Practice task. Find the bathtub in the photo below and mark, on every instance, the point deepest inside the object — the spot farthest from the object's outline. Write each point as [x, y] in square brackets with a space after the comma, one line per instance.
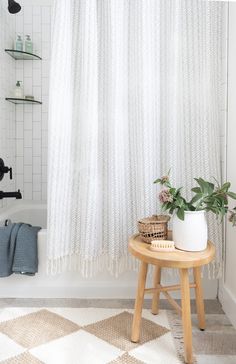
[31, 213]
[64, 285]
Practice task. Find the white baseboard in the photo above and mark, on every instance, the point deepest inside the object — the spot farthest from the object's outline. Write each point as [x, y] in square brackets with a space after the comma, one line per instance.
[96, 292]
[85, 290]
[72, 285]
[228, 301]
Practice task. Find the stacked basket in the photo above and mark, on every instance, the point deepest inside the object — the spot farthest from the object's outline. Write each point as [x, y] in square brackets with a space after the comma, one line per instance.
[154, 228]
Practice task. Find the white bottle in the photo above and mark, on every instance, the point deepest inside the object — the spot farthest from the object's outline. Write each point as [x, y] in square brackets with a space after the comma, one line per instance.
[18, 93]
[28, 44]
[19, 43]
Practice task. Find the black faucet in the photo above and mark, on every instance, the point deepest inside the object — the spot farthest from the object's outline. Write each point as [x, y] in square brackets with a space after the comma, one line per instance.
[16, 195]
[4, 169]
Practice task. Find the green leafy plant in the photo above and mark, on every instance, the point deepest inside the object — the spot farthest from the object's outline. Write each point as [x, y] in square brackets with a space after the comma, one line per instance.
[206, 196]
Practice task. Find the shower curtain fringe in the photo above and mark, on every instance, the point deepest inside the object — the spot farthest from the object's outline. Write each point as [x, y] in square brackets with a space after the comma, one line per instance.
[90, 268]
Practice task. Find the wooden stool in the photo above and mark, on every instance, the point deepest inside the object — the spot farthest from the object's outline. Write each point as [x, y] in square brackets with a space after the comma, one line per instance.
[181, 260]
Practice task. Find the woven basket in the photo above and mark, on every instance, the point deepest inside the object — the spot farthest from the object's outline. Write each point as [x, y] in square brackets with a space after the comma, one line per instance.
[154, 228]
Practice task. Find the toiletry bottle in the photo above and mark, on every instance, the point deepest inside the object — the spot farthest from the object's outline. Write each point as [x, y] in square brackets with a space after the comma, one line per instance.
[28, 44]
[18, 90]
[19, 43]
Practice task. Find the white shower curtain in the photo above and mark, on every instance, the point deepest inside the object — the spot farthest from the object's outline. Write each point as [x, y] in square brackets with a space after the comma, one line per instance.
[135, 90]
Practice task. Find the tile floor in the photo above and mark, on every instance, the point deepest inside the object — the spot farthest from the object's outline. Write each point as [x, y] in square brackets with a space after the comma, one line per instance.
[97, 335]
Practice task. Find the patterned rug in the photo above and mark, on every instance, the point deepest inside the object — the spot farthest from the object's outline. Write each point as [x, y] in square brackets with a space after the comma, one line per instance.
[83, 336]
[102, 336]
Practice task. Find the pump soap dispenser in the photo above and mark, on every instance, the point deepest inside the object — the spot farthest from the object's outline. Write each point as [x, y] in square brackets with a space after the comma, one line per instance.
[28, 44]
[19, 43]
[18, 93]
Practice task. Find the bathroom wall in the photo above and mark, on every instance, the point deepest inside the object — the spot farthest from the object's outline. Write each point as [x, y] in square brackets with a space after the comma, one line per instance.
[7, 110]
[32, 120]
[227, 292]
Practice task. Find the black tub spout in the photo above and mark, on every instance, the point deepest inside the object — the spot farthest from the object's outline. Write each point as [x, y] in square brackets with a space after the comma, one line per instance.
[16, 195]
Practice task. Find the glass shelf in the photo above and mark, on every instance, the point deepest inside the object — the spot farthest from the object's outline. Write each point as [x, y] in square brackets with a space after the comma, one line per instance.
[17, 101]
[20, 55]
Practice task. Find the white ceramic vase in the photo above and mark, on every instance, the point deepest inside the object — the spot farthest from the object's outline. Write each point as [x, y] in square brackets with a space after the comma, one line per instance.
[190, 234]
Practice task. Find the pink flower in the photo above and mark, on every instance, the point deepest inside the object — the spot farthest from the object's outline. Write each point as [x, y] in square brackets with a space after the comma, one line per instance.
[164, 179]
[165, 196]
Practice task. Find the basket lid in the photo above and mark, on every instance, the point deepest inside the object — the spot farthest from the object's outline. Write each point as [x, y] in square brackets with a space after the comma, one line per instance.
[154, 219]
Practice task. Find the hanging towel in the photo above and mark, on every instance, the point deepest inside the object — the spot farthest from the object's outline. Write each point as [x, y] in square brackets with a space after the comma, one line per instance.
[18, 249]
[8, 236]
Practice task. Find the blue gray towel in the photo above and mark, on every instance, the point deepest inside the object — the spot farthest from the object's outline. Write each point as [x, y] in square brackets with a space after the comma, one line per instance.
[18, 249]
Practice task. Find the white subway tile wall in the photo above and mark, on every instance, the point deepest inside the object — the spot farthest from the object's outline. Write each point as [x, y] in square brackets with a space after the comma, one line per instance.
[7, 110]
[32, 121]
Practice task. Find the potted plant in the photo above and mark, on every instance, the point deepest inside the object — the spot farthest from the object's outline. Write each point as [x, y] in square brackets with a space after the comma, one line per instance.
[189, 218]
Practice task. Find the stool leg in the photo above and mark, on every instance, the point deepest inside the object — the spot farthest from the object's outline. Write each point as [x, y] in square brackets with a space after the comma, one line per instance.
[156, 295]
[139, 302]
[186, 315]
[199, 298]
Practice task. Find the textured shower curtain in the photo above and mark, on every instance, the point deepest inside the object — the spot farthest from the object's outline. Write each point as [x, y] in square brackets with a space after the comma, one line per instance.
[135, 90]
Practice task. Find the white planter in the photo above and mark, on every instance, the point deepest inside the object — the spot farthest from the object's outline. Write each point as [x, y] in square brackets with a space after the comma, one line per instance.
[190, 234]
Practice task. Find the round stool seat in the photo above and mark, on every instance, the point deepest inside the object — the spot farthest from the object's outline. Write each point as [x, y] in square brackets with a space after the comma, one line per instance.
[175, 259]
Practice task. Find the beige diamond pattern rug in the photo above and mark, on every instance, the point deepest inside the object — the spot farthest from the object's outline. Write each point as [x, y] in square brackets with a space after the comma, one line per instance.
[65, 335]
[37, 328]
[116, 331]
[23, 358]
[83, 336]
